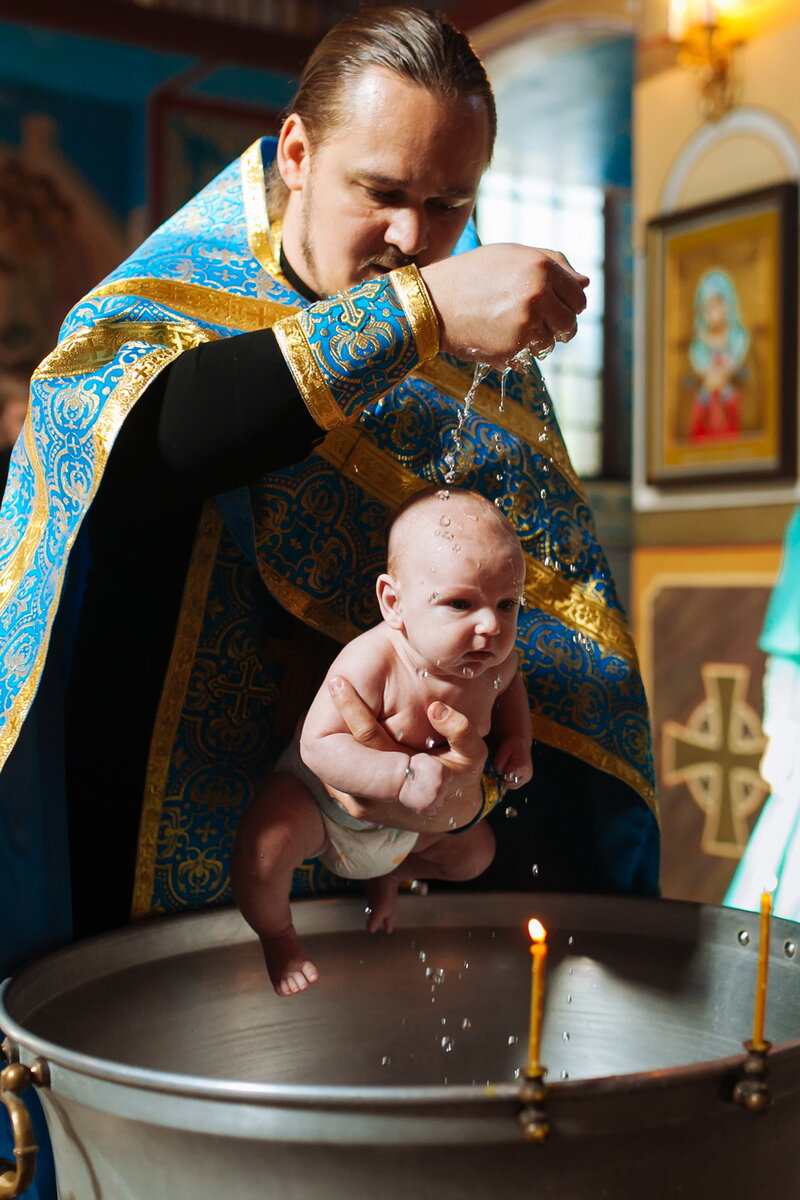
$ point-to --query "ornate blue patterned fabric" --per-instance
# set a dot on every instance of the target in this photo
(318, 527)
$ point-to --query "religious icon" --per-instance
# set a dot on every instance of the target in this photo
(721, 352)
(717, 355)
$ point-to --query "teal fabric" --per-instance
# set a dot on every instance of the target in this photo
(781, 633)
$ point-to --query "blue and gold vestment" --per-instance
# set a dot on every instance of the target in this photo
(313, 533)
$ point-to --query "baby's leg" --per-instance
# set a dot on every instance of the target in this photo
(280, 829)
(452, 857)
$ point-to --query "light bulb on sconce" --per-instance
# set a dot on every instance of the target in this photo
(703, 31)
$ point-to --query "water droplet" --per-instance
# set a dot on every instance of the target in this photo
(518, 1072)
(565, 1074)
(422, 956)
(512, 1039)
(510, 812)
(569, 999)
(401, 733)
(465, 963)
(444, 1020)
(497, 683)
(570, 940)
(535, 869)
(428, 972)
(789, 949)
(423, 672)
(438, 975)
(430, 742)
(386, 1061)
(451, 824)
(433, 597)
(447, 1044)
(467, 671)
(466, 1023)
(443, 494)
(565, 1036)
(368, 911)
(743, 937)
(543, 494)
(444, 521)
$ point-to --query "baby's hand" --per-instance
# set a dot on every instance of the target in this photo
(513, 761)
(422, 786)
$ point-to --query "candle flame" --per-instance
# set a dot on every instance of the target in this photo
(536, 930)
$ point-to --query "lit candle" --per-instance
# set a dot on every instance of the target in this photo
(538, 936)
(761, 979)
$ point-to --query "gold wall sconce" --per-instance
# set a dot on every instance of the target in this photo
(707, 36)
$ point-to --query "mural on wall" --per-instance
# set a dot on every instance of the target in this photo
(62, 225)
(193, 140)
(722, 302)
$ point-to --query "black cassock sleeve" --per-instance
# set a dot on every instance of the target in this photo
(217, 417)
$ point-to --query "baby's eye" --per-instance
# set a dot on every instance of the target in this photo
(459, 604)
(507, 606)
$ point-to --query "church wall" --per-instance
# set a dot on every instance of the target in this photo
(99, 141)
(707, 550)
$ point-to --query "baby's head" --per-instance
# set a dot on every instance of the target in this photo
(454, 583)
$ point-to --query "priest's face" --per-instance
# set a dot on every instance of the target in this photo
(395, 184)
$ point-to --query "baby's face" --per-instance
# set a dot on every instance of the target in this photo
(461, 586)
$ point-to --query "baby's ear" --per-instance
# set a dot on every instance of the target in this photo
(389, 601)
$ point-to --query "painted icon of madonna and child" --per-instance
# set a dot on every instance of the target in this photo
(717, 353)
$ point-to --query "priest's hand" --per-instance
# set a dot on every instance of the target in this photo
(462, 758)
(498, 300)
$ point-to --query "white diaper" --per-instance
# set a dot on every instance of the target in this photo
(357, 849)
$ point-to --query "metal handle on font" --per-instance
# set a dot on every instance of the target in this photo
(15, 1079)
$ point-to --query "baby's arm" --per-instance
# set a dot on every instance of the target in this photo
(329, 749)
(511, 733)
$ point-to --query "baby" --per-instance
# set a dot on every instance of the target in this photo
(449, 600)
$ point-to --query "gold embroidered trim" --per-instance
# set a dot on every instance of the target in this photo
(21, 557)
(309, 378)
(310, 611)
(420, 314)
(351, 450)
(493, 793)
(574, 604)
(256, 215)
(179, 670)
(87, 350)
(243, 313)
(519, 421)
(125, 394)
(583, 748)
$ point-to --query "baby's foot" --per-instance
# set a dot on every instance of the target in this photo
(381, 903)
(289, 969)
